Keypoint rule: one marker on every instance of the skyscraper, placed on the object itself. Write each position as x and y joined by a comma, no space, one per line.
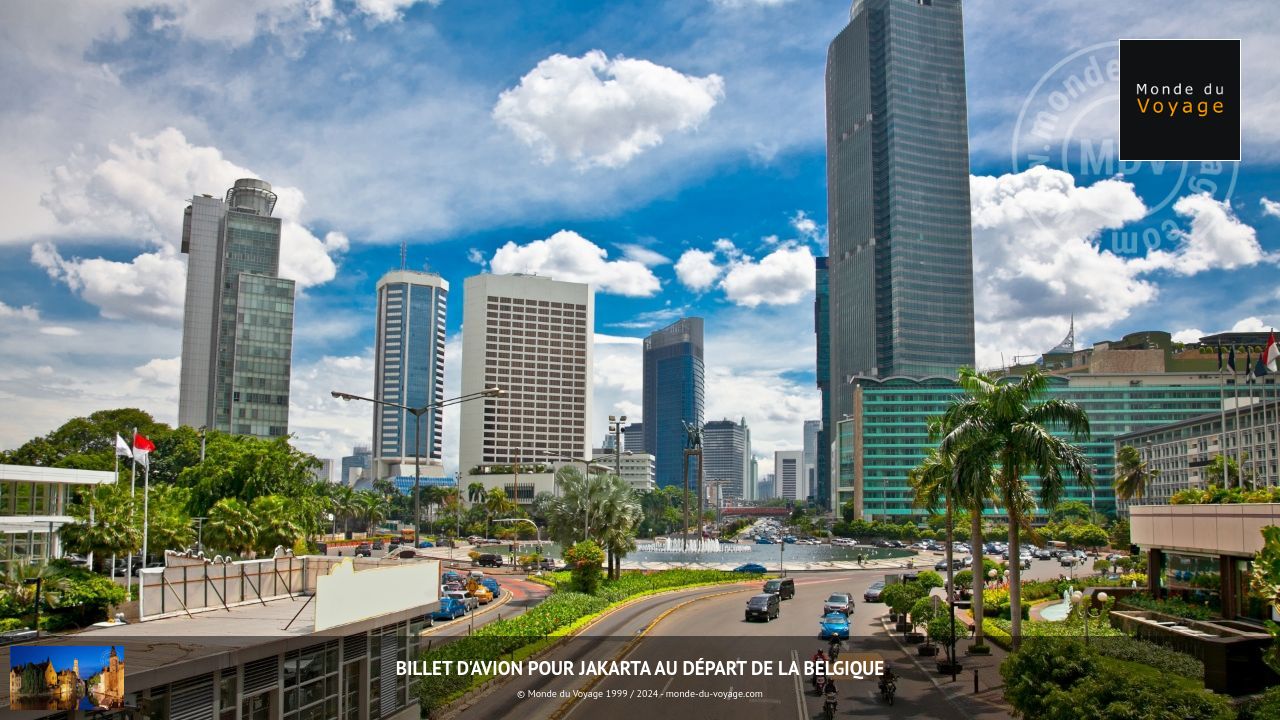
356,466
633,437
409,366
531,337
811,430
673,395
726,446
788,467
822,328
237,325
900,267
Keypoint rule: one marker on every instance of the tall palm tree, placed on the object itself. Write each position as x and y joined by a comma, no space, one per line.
373,508
476,493
620,515
1007,427
342,503
1132,474
934,482
231,527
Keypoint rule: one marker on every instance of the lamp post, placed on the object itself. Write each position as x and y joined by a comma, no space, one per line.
615,427
417,450
38,582
991,576
1087,611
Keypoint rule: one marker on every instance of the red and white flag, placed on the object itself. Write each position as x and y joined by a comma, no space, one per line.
1270,353
142,448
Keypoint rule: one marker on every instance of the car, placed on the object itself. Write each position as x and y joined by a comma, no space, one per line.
426,544
377,545
450,609
364,550
465,598
756,568
481,593
762,540
784,587
883,544
138,567
451,576
956,564
547,564
874,593
492,585
840,602
75,559
764,605
489,560
833,625
451,587
1043,554
1068,560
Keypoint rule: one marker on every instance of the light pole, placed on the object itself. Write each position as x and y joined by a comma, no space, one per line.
1086,610
615,427
199,533
417,450
38,582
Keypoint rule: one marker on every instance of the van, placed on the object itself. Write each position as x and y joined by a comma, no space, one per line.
764,605
784,588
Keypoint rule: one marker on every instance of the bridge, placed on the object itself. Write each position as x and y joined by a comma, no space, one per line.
755,511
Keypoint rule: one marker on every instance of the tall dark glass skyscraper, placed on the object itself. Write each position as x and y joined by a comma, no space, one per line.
409,364
822,328
900,266
673,392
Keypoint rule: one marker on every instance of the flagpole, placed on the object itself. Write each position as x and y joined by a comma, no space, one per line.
133,487
1222,419
146,497
1235,394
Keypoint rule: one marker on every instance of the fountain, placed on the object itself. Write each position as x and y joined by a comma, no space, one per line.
1059,612
696,545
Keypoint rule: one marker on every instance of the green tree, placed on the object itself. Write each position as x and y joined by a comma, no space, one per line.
1214,471
1132,474
169,526
1265,583
1043,665
113,530
584,561
619,517
1118,534
373,508
1008,427
476,493
1088,535
231,527
1071,511
275,518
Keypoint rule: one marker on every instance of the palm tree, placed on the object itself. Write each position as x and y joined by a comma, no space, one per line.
372,507
231,526
1007,427
342,503
619,514
568,513
476,492
1132,473
112,531
276,523
934,481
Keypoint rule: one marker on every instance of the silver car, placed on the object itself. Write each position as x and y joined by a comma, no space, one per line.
469,601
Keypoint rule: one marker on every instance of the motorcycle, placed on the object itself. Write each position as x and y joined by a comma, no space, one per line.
833,650
888,686
829,706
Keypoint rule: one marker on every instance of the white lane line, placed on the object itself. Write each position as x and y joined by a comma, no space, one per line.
668,684
800,713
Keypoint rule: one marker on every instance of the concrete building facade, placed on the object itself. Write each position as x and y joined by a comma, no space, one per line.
726,447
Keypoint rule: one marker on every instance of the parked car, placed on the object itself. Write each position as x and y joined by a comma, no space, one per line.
492,586
426,544
765,606
874,592
465,598
833,624
364,550
377,545
1068,560
137,567
751,568
956,564
840,602
450,608
489,560
784,587
1043,554
547,564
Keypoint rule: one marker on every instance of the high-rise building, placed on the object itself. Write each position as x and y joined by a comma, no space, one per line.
531,337
788,471
673,395
636,468
767,488
900,266
811,430
237,324
822,328
633,437
409,369
726,446
753,486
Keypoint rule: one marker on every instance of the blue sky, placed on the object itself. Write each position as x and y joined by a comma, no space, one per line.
93,658
671,153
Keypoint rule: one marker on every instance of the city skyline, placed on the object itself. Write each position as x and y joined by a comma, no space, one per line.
712,205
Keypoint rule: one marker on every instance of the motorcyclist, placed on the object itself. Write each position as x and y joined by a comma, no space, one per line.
819,674
829,694
834,648
888,679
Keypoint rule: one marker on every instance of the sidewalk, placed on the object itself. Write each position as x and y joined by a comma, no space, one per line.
988,703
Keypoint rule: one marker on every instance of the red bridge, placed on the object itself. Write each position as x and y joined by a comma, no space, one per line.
755,511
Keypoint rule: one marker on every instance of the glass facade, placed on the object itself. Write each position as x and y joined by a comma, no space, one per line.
894,413
673,395
900,264
822,328
259,387
410,363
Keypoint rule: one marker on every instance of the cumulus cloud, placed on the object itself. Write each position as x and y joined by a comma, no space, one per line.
807,228
1249,324
138,191
26,312
162,371
475,256
644,255
567,255
1217,240
782,277
697,270
596,111
1189,335
1270,207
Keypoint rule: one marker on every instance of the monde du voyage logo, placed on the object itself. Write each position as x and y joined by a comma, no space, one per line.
1180,100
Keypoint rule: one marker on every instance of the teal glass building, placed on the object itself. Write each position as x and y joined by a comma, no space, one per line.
822,329
673,394
886,437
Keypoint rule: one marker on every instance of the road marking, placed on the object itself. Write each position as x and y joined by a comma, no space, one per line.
800,712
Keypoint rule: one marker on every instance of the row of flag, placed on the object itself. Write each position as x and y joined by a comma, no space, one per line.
140,452
1267,360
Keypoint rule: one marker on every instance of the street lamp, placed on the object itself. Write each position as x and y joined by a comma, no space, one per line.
417,435
615,427
991,575
38,582
1087,611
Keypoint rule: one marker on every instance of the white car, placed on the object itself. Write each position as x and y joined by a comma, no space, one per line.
469,601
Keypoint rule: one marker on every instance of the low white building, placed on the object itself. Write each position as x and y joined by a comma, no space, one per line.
638,469
33,506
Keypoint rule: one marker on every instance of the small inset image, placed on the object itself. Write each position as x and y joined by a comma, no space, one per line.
66,677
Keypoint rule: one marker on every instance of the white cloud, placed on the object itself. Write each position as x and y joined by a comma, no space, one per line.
1270,207
1189,335
475,256
697,270
782,277
567,255
26,312
321,424
1250,324
59,330
646,256
807,228
384,11
595,111
653,319
161,371
1217,240
139,192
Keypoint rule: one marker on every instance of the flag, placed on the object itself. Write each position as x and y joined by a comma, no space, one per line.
142,448
1231,365
1219,358
1270,353
1248,364
122,447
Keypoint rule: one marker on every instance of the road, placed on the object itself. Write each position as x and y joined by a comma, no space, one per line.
708,623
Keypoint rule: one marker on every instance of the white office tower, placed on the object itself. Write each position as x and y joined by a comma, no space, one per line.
788,469
531,337
409,370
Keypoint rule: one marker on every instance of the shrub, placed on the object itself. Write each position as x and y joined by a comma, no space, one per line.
584,561
1171,606
1150,654
963,579
929,579
995,603
9,624
901,596
940,628
921,612
1264,707
1110,695
1041,667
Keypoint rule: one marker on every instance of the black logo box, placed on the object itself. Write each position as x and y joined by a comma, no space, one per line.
1186,68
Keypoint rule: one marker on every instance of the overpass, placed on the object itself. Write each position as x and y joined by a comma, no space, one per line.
754,511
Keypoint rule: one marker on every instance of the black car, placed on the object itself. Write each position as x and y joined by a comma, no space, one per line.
956,564
489,560
364,550
785,588
764,606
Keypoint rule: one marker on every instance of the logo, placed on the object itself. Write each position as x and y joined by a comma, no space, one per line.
1069,120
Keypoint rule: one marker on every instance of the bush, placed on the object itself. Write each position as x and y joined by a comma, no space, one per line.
921,612
1171,606
940,628
1041,667
996,603
584,561
1264,707
11,623
1124,697
1150,654
929,579
901,596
